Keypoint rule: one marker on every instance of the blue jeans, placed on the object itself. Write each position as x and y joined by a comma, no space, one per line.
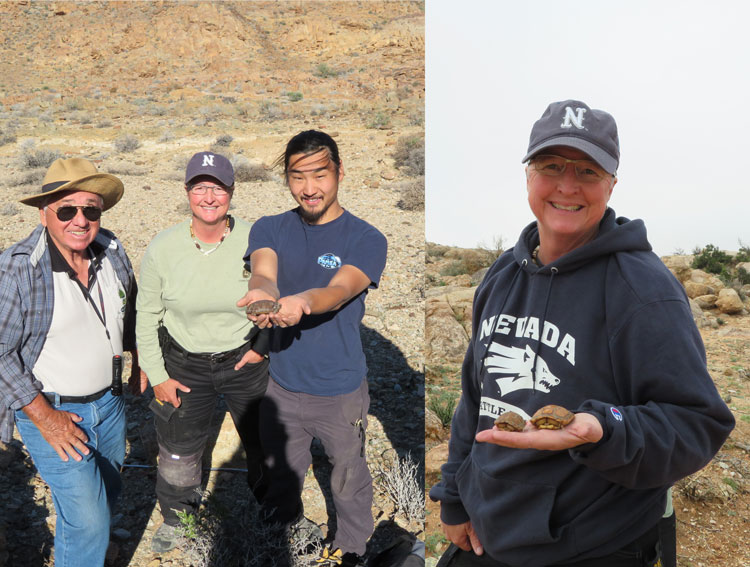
83,491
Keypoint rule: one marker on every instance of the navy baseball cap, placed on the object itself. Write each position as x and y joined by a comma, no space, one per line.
573,124
209,163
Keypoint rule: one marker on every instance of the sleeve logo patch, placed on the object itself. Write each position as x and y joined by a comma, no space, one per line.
616,413
329,261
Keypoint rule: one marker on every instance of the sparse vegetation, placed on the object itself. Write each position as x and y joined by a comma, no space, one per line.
381,121
400,481
269,112
126,143
244,170
31,158
7,136
715,261
412,194
217,536
443,404
9,209
324,71
294,96
408,155
224,140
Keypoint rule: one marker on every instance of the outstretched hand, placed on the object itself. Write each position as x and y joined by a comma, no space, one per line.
293,307
585,428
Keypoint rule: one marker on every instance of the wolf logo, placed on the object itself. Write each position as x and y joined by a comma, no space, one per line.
518,362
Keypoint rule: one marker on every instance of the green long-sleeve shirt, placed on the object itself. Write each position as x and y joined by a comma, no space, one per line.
193,295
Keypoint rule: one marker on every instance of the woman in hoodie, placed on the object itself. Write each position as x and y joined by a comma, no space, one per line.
581,314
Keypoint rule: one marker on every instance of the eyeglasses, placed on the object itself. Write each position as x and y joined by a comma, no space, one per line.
201,189
67,212
587,171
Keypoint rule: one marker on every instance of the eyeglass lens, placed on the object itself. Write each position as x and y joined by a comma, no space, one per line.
586,171
201,189
67,212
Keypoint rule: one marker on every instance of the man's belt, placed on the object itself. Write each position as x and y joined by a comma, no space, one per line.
76,399
215,357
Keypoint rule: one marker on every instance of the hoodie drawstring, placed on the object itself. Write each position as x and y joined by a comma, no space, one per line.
553,272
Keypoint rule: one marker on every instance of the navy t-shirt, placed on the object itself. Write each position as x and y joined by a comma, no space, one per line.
322,354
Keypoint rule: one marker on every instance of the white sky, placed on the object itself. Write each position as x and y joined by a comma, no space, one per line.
674,74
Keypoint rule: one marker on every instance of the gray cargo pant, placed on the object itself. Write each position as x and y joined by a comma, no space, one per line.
289,422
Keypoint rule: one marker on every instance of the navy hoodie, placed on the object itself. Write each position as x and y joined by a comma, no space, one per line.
605,329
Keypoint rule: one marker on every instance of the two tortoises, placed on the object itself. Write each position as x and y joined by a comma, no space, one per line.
547,417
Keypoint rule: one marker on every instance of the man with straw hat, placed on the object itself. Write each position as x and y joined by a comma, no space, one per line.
67,299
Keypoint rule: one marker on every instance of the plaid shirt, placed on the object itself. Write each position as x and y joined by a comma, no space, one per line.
26,305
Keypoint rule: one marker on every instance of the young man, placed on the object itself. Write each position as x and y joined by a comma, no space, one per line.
318,260
67,304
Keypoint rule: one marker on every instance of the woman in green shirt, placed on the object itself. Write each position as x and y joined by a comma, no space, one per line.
194,343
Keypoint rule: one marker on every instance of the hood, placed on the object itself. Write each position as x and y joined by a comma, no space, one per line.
616,234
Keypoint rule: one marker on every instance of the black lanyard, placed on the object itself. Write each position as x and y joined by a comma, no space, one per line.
102,315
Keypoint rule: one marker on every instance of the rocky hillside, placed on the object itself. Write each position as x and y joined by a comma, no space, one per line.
713,506
138,87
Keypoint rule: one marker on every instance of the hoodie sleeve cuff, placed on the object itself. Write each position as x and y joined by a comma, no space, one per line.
453,514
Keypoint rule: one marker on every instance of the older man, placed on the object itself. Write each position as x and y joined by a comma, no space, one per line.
66,311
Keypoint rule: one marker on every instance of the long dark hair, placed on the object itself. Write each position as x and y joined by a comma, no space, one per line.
308,143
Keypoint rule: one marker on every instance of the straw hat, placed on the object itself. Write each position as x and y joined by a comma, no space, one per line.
77,174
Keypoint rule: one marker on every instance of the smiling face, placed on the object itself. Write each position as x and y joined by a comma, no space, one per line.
209,208
314,183
568,210
74,236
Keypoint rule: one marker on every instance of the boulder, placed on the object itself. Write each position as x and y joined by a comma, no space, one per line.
435,458
445,337
433,427
695,289
679,265
706,301
729,302
701,319
711,280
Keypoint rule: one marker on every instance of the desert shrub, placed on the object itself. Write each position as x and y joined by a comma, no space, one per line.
7,136
412,194
294,96
269,112
105,123
223,140
711,259
443,405
166,136
743,276
400,481
219,536
9,209
126,143
743,255
380,121
324,71
31,158
244,170
408,155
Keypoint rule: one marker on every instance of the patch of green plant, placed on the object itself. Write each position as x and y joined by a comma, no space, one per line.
434,543
294,96
443,405
743,255
720,321
380,121
188,524
743,276
324,71
711,259
731,482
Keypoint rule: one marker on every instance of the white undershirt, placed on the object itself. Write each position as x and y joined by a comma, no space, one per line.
77,356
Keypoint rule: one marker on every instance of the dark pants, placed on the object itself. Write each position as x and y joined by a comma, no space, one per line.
290,422
183,438
643,552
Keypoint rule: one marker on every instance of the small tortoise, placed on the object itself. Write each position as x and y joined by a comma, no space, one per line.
263,306
510,421
552,417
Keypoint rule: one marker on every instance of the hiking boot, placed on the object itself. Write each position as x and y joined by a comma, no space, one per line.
165,539
305,536
335,557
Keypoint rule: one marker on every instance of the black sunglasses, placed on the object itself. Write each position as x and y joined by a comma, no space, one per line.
67,212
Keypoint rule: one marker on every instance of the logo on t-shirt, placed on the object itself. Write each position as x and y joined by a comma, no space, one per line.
329,261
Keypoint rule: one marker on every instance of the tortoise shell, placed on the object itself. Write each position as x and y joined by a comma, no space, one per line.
510,421
552,417
262,307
